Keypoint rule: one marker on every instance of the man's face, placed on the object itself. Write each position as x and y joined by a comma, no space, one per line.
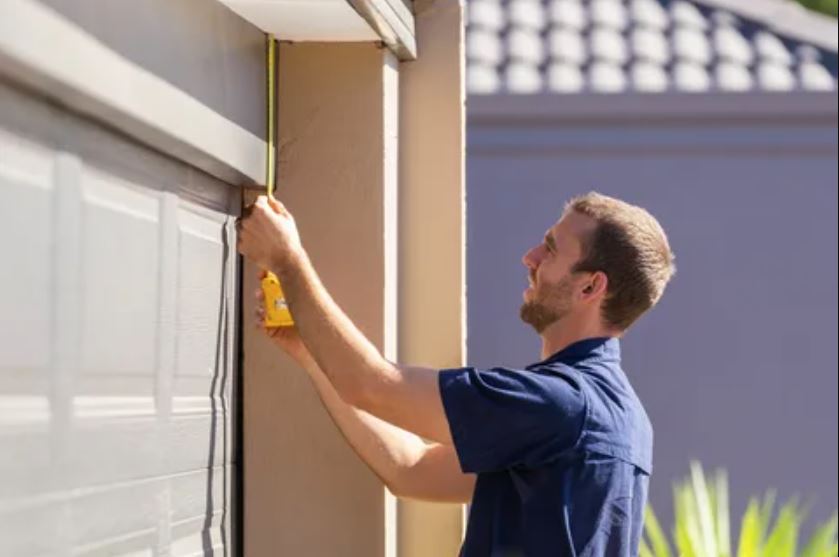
553,289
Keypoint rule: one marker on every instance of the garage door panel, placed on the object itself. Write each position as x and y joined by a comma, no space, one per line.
97,404
103,409
25,453
135,546
123,519
101,517
191,493
120,274
194,531
25,179
116,343
190,539
186,405
26,332
196,442
201,272
17,524
100,453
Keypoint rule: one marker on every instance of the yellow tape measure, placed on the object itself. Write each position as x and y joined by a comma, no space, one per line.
276,309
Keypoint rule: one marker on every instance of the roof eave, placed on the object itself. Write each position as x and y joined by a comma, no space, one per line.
651,107
389,21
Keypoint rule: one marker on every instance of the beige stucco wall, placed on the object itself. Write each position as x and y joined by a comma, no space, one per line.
432,303
306,492
350,128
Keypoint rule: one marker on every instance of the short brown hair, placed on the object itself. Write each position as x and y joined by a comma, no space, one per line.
630,247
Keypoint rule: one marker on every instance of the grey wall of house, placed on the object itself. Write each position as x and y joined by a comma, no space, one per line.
737,366
202,48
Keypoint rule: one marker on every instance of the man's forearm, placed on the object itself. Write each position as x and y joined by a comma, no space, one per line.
405,396
340,350
386,449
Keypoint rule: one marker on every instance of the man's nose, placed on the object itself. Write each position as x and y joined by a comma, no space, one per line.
529,258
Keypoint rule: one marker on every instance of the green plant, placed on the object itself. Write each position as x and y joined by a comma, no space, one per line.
702,526
828,7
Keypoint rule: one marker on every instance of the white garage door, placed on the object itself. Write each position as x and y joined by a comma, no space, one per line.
117,343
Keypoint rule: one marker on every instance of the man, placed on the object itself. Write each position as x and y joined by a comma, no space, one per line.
555,457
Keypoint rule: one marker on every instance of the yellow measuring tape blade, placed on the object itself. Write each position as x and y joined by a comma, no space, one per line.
276,309
270,180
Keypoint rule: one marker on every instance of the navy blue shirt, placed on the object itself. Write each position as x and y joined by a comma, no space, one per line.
562,450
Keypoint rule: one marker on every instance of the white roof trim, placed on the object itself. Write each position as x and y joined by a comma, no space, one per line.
389,21
787,18
305,20
393,22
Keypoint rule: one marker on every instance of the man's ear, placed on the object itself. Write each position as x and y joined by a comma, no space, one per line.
597,285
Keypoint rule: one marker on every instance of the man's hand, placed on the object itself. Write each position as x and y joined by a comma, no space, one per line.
268,234
287,338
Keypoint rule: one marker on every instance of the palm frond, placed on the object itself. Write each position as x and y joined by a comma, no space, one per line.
702,525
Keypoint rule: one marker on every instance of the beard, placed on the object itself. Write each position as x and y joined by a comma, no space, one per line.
549,304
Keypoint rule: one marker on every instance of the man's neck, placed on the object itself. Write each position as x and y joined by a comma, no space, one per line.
561,335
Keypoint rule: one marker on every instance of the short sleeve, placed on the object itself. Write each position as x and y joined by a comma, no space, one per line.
500,418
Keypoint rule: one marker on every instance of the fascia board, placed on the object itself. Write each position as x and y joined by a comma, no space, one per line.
389,21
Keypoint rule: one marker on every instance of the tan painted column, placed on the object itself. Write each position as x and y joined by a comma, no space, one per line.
306,492
432,305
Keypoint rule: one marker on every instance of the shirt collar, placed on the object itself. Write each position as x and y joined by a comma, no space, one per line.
599,348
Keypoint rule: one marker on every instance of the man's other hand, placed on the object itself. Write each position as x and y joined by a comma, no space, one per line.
286,338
